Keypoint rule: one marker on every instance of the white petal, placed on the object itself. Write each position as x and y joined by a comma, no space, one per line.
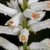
20,47
26,33
36,46
36,6
7,11
45,42
10,31
32,21
48,23
7,45
20,27
41,15
13,4
27,13
40,25
20,2
16,19
9,4
31,1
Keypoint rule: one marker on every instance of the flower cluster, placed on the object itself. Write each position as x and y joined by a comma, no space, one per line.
23,20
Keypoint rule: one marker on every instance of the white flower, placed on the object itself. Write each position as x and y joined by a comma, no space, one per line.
17,16
37,15
34,16
10,31
7,45
14,21
24,34
40,25
36,6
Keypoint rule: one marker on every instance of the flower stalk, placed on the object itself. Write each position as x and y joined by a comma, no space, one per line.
24,7
24,23
25,46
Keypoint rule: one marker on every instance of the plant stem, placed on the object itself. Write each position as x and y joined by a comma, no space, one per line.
25,46
24,23
24,4
24,7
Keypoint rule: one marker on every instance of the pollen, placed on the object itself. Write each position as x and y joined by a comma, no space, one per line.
23,38
34,15
10,23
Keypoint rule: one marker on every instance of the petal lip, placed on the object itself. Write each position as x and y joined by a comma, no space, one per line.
31,21
7,11
38,26
10,31
7,45
44,44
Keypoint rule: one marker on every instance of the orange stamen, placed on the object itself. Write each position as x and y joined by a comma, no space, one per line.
10,23
23,38
34,15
